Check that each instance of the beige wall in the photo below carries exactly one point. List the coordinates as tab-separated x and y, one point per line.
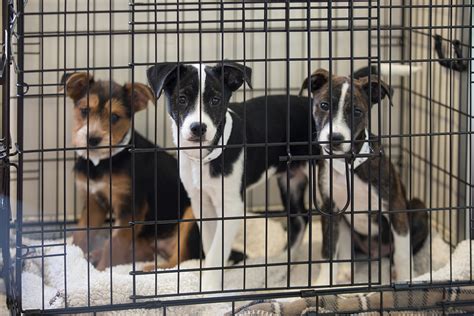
57	187
434	163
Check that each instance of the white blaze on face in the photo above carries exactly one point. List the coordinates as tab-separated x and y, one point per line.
339	126
81	135
197	115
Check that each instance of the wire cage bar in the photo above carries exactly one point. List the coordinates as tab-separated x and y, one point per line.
422	130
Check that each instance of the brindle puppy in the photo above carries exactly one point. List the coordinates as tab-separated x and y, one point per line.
341	109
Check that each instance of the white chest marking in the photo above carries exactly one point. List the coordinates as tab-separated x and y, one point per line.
360	199
196	177
94	186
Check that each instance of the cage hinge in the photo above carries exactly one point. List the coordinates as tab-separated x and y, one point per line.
401	286
6	57
5	153
3	149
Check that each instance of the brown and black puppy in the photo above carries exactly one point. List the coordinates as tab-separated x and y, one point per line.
341	109
102	132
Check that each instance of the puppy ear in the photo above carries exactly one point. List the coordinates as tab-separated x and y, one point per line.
317	79
138	95
76	84
159	75
375	88
235	74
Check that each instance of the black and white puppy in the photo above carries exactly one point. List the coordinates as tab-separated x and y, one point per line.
215	167
341	109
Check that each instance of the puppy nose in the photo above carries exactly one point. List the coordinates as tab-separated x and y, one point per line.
337	138
198	129
94	141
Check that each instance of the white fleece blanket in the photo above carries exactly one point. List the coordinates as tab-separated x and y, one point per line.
77	280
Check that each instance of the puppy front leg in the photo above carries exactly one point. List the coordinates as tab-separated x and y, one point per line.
344	252
92	218
330	228
219	252
294	194
401	243
208	228
330	245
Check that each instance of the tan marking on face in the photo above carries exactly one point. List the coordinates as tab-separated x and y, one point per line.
117	107
92	102
80	131
121	127
99	124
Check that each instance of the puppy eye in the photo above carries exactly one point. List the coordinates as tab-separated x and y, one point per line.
215	101
358	112
114	118
84	112
182	100
324	106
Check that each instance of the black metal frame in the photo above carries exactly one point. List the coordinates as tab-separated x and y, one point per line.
380	36
8	23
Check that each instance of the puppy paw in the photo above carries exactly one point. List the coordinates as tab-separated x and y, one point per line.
149	267
322	281
402	274
100	259
323	277
344	274
95	256
152	267
236	257
80	239
102	265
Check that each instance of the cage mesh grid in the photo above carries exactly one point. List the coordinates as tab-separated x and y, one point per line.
422	138
439	111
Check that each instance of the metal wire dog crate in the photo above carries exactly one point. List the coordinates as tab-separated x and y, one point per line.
427	134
